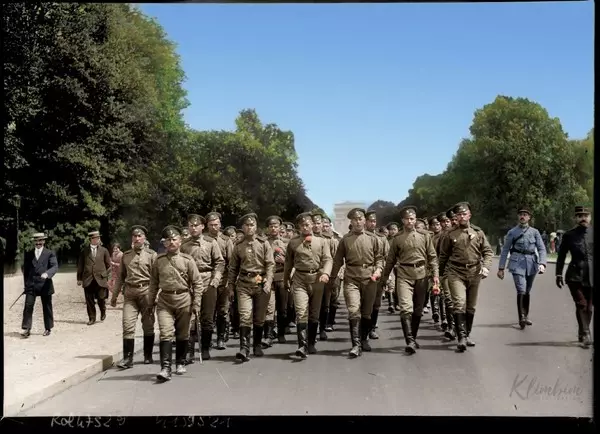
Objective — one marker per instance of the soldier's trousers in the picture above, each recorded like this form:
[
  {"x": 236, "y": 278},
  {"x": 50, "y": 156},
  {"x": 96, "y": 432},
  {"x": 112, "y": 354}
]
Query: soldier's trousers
[
  {"x": 252, "y": 303},
  {"x": 359, "y": 296},
  {"x": 378, "y": 295},
  {"x": 583, "y": 298},
  {"x": 281, "y": 303},
  {"x": 523, "y": 283},
  {"x": 275, "y": 301},
  {"x": 223, "y": 302},
  {"x": 325, "y": 303},
  {"x": 234, "y": 313},
  {"x": 447, "y": 295},
  {"x": 209, "y": 303},
  {"x": 46, "y": 309},
  {"x": 134, "y": 305},
  {"x": 308, "y": 296},
  {"x": 411, "y": 295},
  {"x": 175, "y": 310},
  {"x": 464, "y": 290}
]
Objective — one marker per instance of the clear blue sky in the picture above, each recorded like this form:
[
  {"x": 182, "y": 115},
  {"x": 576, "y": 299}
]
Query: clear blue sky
[{"x": 377, "y": 95}]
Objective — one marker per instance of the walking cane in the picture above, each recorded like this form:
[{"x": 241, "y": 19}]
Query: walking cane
[
  {"x": 198, "y": 338},
  {"x": 15, "y": 302}
]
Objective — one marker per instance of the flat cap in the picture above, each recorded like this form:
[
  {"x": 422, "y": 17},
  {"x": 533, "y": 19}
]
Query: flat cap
[
  {"x": 213, "y": 216},
  {"x": 39, "y": 236},
  {"x": 304, "y": 216},
  {"x": 356, "y": 213},
  {"x": 408, "y": 211},
  {"x": 392, "y": 224},
  {"x": 461, "y": 207},
  {"x": 581, "y": 209},
  {"x": 196, "y": 219},
  {"x": 274, "y": 218},
  {"x": 139, "y": 230},
  {"x": 371, "y": 215},
  {"x": 94, "y": 234},
  {"x": 248, "y": 218},
  {"x": 171, "y": 231}
]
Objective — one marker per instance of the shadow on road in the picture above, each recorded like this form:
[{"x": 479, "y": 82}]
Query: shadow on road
[
  {"x": 498, "y": 326},
  {"x": 71, "y": 321},
  {"x": 544, "y": 344},
  {"x": 139, "y": 377}
]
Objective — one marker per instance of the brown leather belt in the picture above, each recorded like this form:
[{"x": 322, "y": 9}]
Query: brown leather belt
[
  {"x": 138, "y": 286},
  {"x": 247, "y": 274},
  {"x": 415, "y": 265},
  {"x": 461, "y": 265},
  {"x": 307, "y": 271},
  {"x": 179, "y": 291},
  {"x": 360, "y": 265}
]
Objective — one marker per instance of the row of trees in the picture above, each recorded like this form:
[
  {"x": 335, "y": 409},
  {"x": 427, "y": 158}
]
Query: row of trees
[
  {"x": 94, "y": 134},
  {"x": 517, "y": 155}
]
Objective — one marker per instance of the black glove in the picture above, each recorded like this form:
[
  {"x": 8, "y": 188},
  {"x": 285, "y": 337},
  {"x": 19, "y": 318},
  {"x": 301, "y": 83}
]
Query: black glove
[{"x": 559, "y": 281}]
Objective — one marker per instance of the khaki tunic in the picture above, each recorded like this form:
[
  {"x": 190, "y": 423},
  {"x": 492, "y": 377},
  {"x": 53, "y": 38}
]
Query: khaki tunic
[
  {"x": 223, "y": 296},
  {"x": 279, "y": 245},
  {"x": 210, "y": 263}
]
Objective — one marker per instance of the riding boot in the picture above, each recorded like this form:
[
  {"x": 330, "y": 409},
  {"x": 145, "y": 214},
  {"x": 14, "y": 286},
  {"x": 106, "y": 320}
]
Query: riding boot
[
  {"x": 127, "y": 361},
  {"x": 374, "y": 317},
  {"x": 227, "y": 330},
  {"x": 257, "y": 334},
  {"x": 450, "y": 332},
  {"x": 405, "y": 321},
  {"x": 281, "y": 322},
  {"x": 302, "y": 350},
  {"x": 390, "y": 300},
  {"x": 166, "y": 354},
  {"x": 312, "y": 337},
  {"x": 435, "y": 307},
  {"x": 322, "y": 326},
  {"x": 526, "y": 299},
  {"x": 415, "y": 322},
  {"x": 459, "y": 320},
  {"x": 365, "y": 328},
  {"x": 267, "y": 341},
  {"x": 148, "y": 347},
  {"x": 521, "y": 311},
  {"x": 244, "y": 353},
  {"x": 469, "y": 325},
  {"x": 331, "y": 317},
  {"x": 205, "y": 343},
  {"x": 180, "y": 352},
  {"x": 443, "y": 318},
  {"x": 221, "y": 330},
  {"x": 355, "y": 338}
]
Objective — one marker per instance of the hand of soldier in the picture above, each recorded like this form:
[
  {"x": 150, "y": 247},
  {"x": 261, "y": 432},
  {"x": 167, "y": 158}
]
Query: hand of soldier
[
  {"x": 500, "y": 274},
  {"x": 436, "y": 281},
  {"x": 559, "y": 281},
  {"x": 44, "y": 275},
  {"x": 324, "y": 278},
  {"x": 376, "y": 275},
  {"x": 542, "y": 269},
  {"x": 79, "y": 283},
  {"x": 267, "y": 289},
  {"x": 485, "y": 272},
  {"x": 113, "y": 302}
]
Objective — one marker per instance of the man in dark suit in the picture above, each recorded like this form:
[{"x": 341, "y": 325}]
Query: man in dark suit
[
  {"x": 93, "y": 268},
  {"x": 39, "y": 267}
]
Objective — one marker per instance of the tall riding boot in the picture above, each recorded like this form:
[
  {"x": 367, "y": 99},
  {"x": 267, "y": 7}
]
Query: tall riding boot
[
  {"x": 166, "y": 354},
  {"x": 520, "y": 311},
  {"x": 281, "y": 322},
  {"x": 443, "y": 317},
  {"x": 221, "y": 329},
  {"x": 469, "y": 317},
  {"x": 180, "y": 352},
  {"x": 331, "y": 317},
  {"x": 355, "y": 338},
  {"x": 227, "y": 330},
  {"x": 405, "y": 321},
  {"x": 148, "y": 347},
  {"x": 526, "y": 299},
  {"x": 374, "y": 317},
  {"x": 244, "y": 353},
  {"x": 205, "y": 341},
  {"x": 127, "y": 361},
  {"x": 365, "y": 328},
  {"x": 415, "y": 322},
  {"x": 322, "y": 324},
  {"x": 396, "y": 301},
  {"x": 450, "y": 333},
  {"x": 257, "y": 334},
  {"x": 267, "y": 341},
  {"x": 312, "y": 337},
  {"x": 585, "y": 320},
  {"x": 302, "y": 350},
  {"x": 390, "y": 300},
  {"x": 435, "y": 307},
  {"x": 460, "y": 321},
  {"x": 191, "y": 350}
]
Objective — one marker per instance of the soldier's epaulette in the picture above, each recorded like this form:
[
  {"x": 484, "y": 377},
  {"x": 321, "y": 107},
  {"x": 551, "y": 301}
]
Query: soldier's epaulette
[
  {"x": 224, "y": 237},
  {"x": 149, "y": 250},
  {"x": 127, "y": 251},
  {"x": 476, "y": 228},
  {"x": 379, "y": 234},
  {"x": 208, "y": 238},
  {"x": 262, "y": 238},
  {"x": 371, "y": 234},
  {"x": 161, "y": 255},
  {"x": 324, "y": 235},
  {"x": 424, "y": 232},
  {"x": 186, "y": 256}
]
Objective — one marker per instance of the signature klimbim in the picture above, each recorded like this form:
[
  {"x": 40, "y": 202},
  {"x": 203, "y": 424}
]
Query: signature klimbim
[{"x": 526, "y": 387}]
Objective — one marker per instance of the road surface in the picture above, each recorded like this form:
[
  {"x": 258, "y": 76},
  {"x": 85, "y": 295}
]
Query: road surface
[{"x": 541, "y": 371}]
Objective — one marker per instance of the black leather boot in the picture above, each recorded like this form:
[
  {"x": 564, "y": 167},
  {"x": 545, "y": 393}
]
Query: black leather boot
[
  {"x": 244, "y": 353},
  {"x": 312, "y": 337},
  {"x": 450, "y": 332},
  {"x": 302, "y": 350},
  {"x": 460, "y": 322},
  {"x": 227, "y": 330},
  {"x": 322, "y": 325},
  {"x": 221, "y": 332},
  {"x": 205, "y": 341},
  {"x": 356, "y": 350},
  {"x": 268, "y": 336},
  {"x": 520, "y": 311},
  {"x": 148, "y": 348},
  {"x": 435, "y": 307},
  {"x": 469, "y": 317},
  {"x": 331, "y": 318},
  {"x": 374, "y": 317},
  {"x": 257, "y": 345},
  {"x": 390, "y": 300},
  {"x": 526, "y": 299},
  {"x": 405, "y": 321},
  {"x": 166, "y": 354},
  {"x": 281, "y": 322},
  {"x": 127, "y": 361},
  {"x": 365, "y": 328},
  {"x": 415, "y": 322},
  {"x": 180, "y": 352}
]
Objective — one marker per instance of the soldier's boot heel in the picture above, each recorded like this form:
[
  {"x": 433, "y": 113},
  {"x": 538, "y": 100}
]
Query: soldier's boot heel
[
  {"x": 205, "y": 343},
  {"x": 374, "y": 317},
  {"x": 526, "y": 300},
  {"x": 520, "y": 311},
  {"x": 166, "y": 354},
  {"x": 405, "y": 322},
  {"x": 221, "y": 332},
  {"x": 450, "y": 333},
  {"x": 148, "y": 348},
  {"x": 257, "y": 345},
  {"x": 127, "y": 360},
  {"x": 281, "y": 330},
  {"x": 331, "y": 318},
  {"x": 244, "y": 353},
  {"x": 415, "y": 322},
  {"x": 469, "y": 317},
  {"x": 312, "y": 337},
  {"x": 180, "y": 352},
  {"x": 586, "y": 335},
  {"x": 459, "y": 319},
  {"x": 435, "y": 308},
  {"x": 365, "y": 328},
  {"x": 301, "y": 333},
  {"x": 191, "y": 351},
  {"x": 267, "y": 342},
  {"x": 356, "y": 350},
  {"x": 322, "y": 325}
]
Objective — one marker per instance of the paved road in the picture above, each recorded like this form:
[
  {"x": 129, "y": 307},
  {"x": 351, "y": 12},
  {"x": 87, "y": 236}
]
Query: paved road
[{"x": 509, "y": 372}]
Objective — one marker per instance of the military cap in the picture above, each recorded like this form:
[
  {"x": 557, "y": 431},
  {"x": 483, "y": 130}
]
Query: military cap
[
  {"x": 316, "y": 215},
  {"x": 441, "y": 217},
  {"x": 433, "y": 220},
  {"x": 461, "y": 207},
  {"x": 229, "y": 229},
  {"x": 94, "y": 234},
  {"x": 274, "y": 218},
  {"x": 381, "y": 230},
  {"x": 371, "y": 215},
  {"x": 390, "y": 224},
  {"x": 238, "y": 231},
  {"x": 304, "y": 216},
  {"x": 580, "y": 209},
  {"x": 139, "y": 230},
  {"x": 195, "y": 219},
  {"x": 326, "y": 219},
  {"x": 407, "y": 211},
  {"x": 250, "y": 217},
  {"x": 213, "y": 216},
  {"x": 355, "y": 213},
  {"x": 39, "y": 236},
  {"x": 524, "y": 209},
  {"x": 450, "y": 213},
  {"x": 171, "y": 231},
  {"x": 288, "y": 225}
]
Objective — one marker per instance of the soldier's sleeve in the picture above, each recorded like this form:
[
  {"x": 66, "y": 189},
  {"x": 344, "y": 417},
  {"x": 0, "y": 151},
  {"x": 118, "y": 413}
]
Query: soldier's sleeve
[
  {"x": 432, "y": 259},
  {"x": 229, "y": 250},
  {"x": 218, "y": 264},
  {"x": 562, "y": 254},
  {"x": 154, "y": 282},
  {"x": 269, "y": 263},
  {"x": 338, "y": 260},
  {"x": 389, "y": 261},
  {"x": 288, "y": 264},
  {"x": 326, "y": 260},
  {"x": 233, "y": 268},
  {"x": 541, "y": 248},
  {"x": 445, "y": 252},
  {"x": 196, "y": 284},
  {"x": 505, "y": 249},
  {"x": 378, "y": 254},
  {"x": 53, "y": 264},
  {"x": 120, "y": 278},
  {"x": 486, "y": 251}
]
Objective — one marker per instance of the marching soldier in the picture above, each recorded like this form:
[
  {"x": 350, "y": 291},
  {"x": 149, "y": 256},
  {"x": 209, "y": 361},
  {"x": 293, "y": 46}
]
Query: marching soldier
[
  {"x": 230, "y": 232},
  {"x": 177, "y": 276},
  {"x": 93, "y": 268},
  {"x": 251, "y": 270},
  {"x": 278, "y": 301},
  {"x": 413, "y": 253},
  {"x": 391, "y": 295},
  {"x": 210, "y": 263},
  {"x": 370, "y": 226},
  {"x": 579, "y": 242},
  {"x": 448, "y": 225},
  {"x": 234, "y": 313},
  {"x": 134, "y": 280},
  {"x": 310, "y": 258},
  {"x": 361, "y": 253},
  {"x": 436, "y": 298},
  {"x": 334, "y": 302},
  {"x": 223, "y": 301},
  {"x": 291, "y": 312},
  {"x": 522, "y": 242},
  {"x": 466, "y": 255},
  {"x": 421, "y": 225},
  {"x": 289, "y": 230}
]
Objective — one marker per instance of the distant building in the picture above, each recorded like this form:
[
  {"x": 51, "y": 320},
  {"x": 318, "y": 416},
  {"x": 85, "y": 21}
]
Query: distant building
[{"x": 340, "y": 211}]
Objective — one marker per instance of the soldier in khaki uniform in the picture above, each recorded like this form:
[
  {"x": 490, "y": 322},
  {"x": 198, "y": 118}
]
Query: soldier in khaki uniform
[
  {"x": 391, "y": 295},
  {"x": 180, "y": 284},
  {"x": 421, "y": 225},
  {"x": 229, "y": 231},
  {"x": 447, "y": 226},
  {"x": 370, "y": 226},
  {"x": 211, "y": 265},
  {"x": 360, "y": 251},
  {"x": 437, "y": 301},
  {"x": 336, "y": 286},
  {"x": 291, "y": 312},
  {"x": 278, "y": 301},
  {"x": 234, "y": 313},
  {"x": 223, "y": 301},
  {"x": 310, "y": 258},
  {"x": 251, "y": 270},
  {"x": 413, "y": 253},
  {"x": 134, "y": 280},
  {"x": 466, "y": 255}
]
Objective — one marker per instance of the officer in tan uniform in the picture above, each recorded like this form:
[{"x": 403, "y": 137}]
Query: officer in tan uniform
[
  {"x": 229, "y": 231},
  {"x": 211, "y": 265},
  {"x": 391, "y": 295},
  {"x": 360, "y": 251},
  {"x": 421, "y": 225},
  {"x": 234, "y": 312},
  {"x": 437, "y": 301},
  {"x": 180, "y": 284},
  {"x": 370, "y": 226},
  {"x": 291, "y": 312},
  {"x": 278, "y": 302},
  {"x": 310, "y": 258},
  {"x": 466, "y": 255},
  {"x": 289, "y": 230},
  {"x": 251, "y": 270},
  {"x": 447, "y": 226},
  {"x": 336, "y": 286},
  {"x": 134, "y": 280},
  {"x": 413, "y": 253}
]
